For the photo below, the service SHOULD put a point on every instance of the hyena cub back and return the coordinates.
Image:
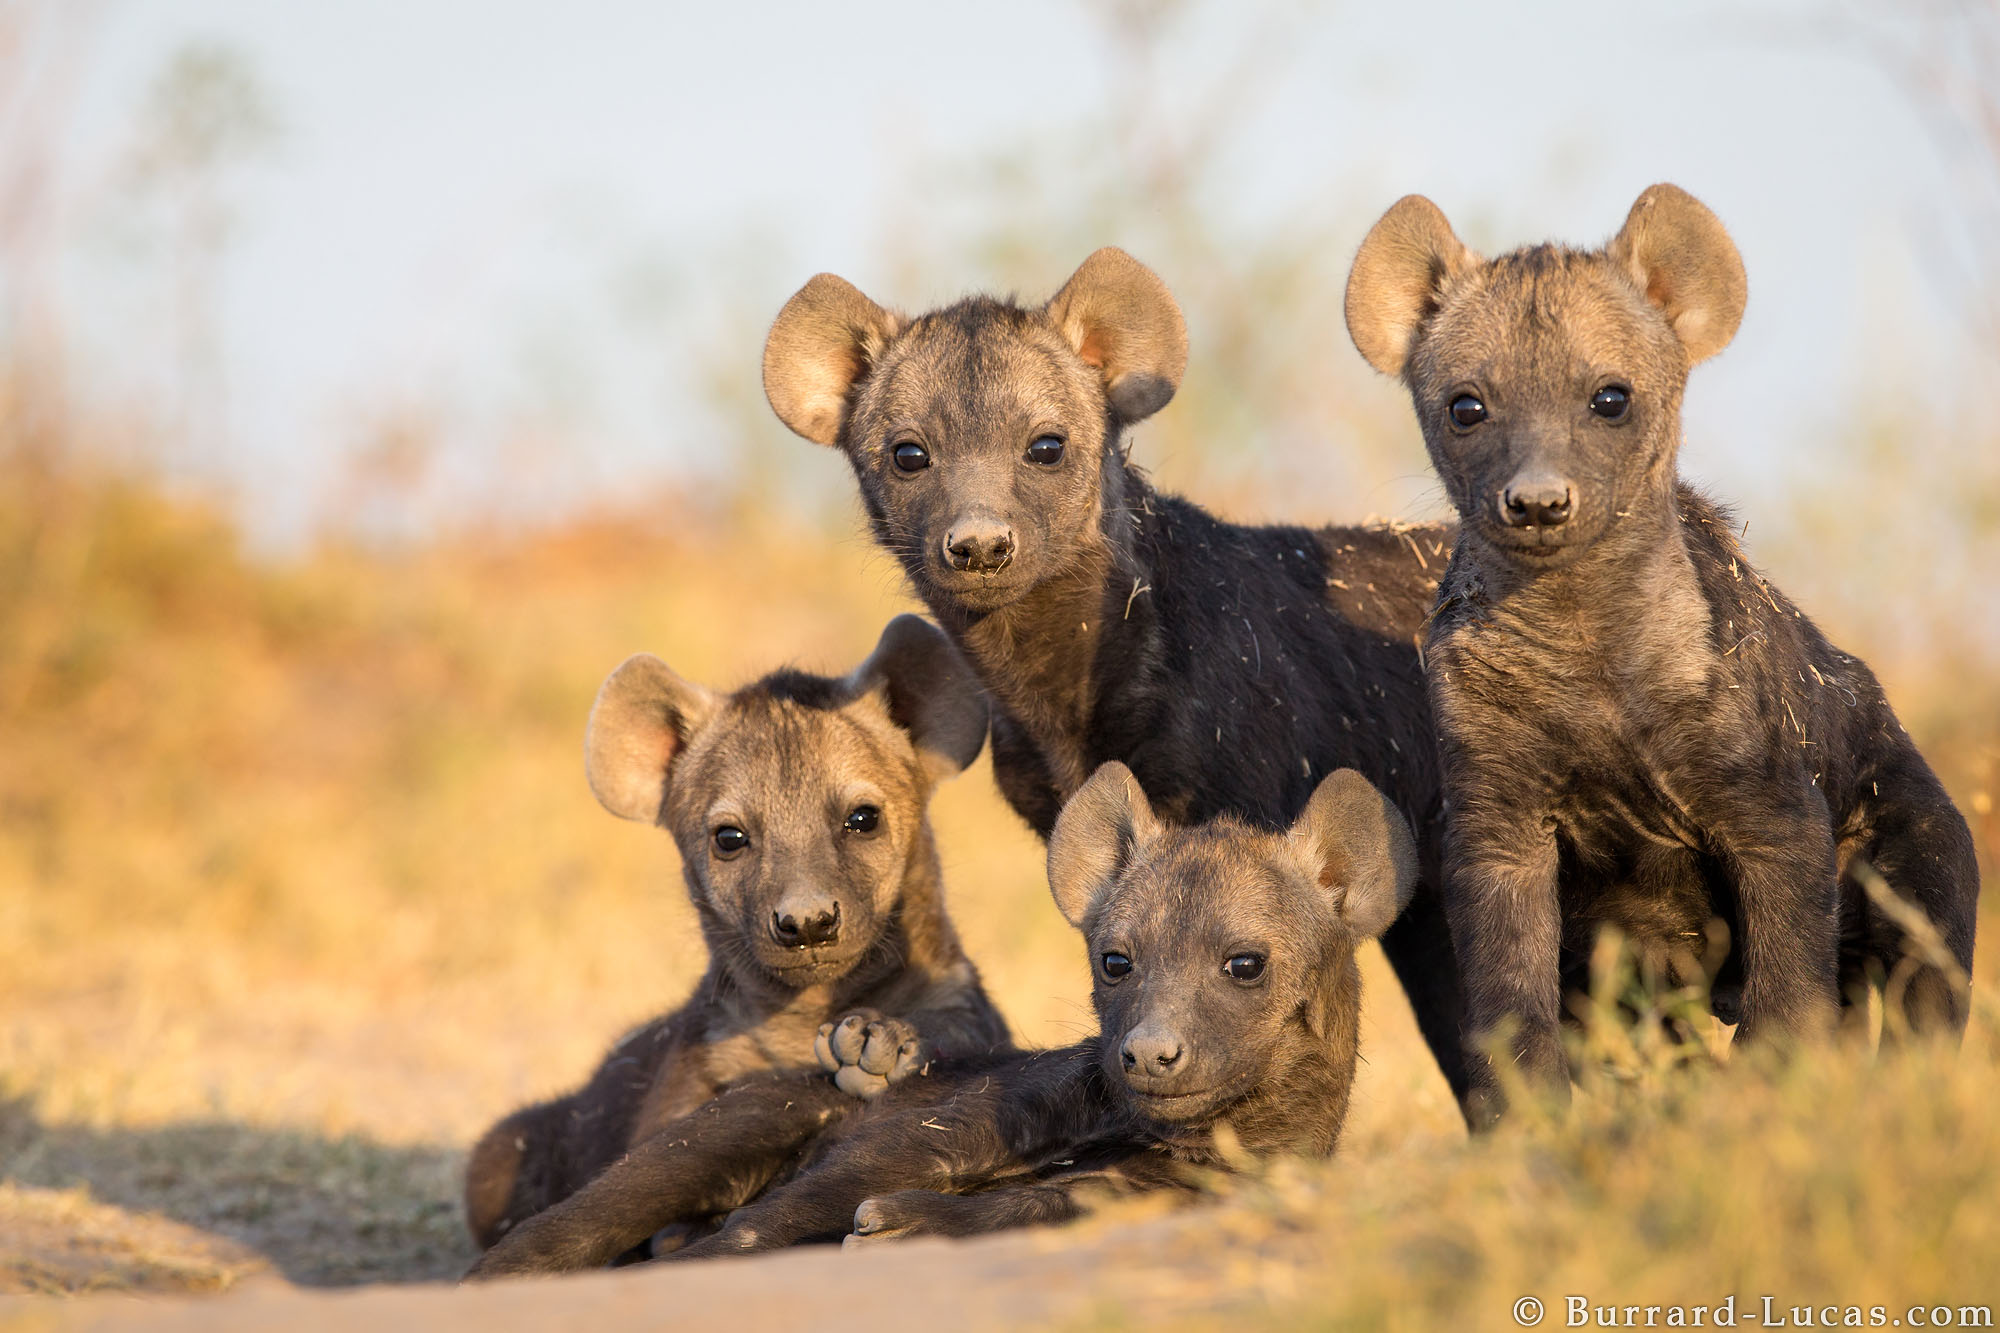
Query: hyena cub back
(799, 808)
(1635, 727)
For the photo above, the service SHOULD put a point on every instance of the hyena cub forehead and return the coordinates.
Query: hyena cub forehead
(792, 743)
(1541, 322)
(974, 376)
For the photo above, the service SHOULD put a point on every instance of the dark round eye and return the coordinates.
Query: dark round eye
(730, 840)
(1047, 451)
(1467, 411)
(862, 819)
(1116, 965)
(1611, 402)
(1244, 967)
(912, 457)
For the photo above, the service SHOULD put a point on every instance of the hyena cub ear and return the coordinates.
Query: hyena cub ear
(825, 339)
(1121, 318)
(1393, 288)
(1100, 832)
(931, 693)
(643, 717)
(1356, 845)
(1678, 253)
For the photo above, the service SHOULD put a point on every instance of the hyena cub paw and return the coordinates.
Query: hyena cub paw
(904, 1213)
(866, 1052)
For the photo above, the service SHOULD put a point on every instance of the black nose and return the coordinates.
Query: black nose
(979, 547)
(804, 932)
(1537, 504)
(1151, 1056)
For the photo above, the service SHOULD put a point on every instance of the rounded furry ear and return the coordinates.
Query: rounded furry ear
(826, 338)
(1402, 265)
(642, 719)
(1678, 253)
(1121, 318)
(1357, 845)
(1099, 833)
(932, 693)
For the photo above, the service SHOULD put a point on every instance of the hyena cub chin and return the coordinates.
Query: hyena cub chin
(799, 807)
(1226, 992)
(1635, 727)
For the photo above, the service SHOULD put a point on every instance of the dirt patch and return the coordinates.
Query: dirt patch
(62, 1242)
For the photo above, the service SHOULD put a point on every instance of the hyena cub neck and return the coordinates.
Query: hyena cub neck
(799, 805)
(1635, 727)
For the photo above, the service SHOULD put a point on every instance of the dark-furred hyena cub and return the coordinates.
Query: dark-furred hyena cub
(1226, 992)
(1230, 665)
(1635, 727)
(799, 807)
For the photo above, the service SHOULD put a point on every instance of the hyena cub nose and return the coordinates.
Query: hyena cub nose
(1151, 1052)
(806, 927)
(979, 546)
(1537, 500)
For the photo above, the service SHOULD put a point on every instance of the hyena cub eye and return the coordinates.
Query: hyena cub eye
(1046, 450)
(1245, 967)
(730, 840)
(912, 457)
(1611, 402)
(1115, 965)
(1467, 411)
(862, 819)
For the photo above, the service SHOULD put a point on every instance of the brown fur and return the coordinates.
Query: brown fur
(1230, 665)
(785, 760)
(1635, 727)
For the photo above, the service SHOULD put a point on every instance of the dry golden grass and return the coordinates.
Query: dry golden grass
(300, 885)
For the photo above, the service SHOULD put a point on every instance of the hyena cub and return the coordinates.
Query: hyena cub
(799, 807)
(1230, 665)
(1635, 727)
(1226, 992)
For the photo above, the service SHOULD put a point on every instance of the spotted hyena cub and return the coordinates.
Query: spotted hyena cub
(1226, 992)
(799, 807)
(1636, 728)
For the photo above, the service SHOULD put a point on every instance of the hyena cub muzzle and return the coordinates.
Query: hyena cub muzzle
(1635, 727)
(799, 805)
(1226, 993)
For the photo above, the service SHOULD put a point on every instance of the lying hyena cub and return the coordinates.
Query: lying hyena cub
(1635, 727)
(798, 805)
(1230, 665)
(1226, 991)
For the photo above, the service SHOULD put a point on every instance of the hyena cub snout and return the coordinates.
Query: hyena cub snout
(1223, 955)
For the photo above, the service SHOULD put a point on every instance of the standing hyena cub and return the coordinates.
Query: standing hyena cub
(1635, 727)
(799, 806)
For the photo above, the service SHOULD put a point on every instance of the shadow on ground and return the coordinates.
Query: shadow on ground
(322, 1211)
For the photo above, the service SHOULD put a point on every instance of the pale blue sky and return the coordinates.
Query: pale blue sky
(459, 185)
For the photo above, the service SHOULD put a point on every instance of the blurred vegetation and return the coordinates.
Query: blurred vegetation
(300, 884)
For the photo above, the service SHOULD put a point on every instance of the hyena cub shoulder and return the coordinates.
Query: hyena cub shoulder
(1226, 993)
(799, 808)
(1635, 727)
